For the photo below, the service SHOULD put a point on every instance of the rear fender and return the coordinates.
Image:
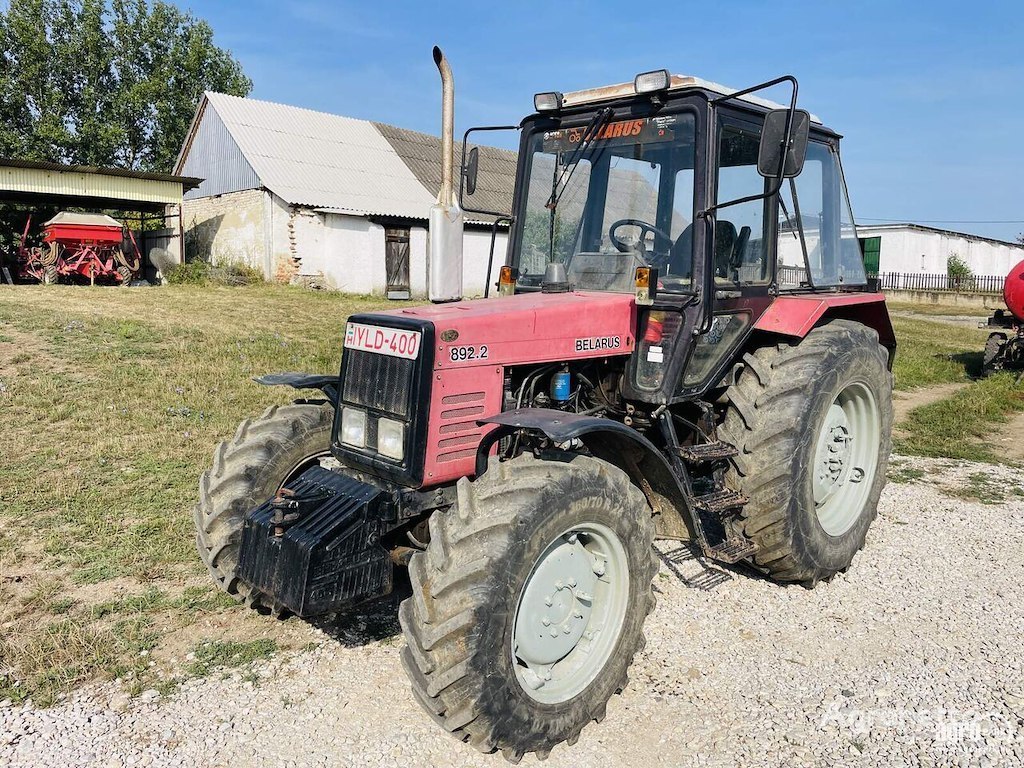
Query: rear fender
(796, 316)
(609, 441)
(326, 384)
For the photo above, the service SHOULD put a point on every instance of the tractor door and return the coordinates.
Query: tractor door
(741, 256)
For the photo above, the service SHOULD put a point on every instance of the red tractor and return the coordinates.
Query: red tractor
(683, 346)
(1004, 350)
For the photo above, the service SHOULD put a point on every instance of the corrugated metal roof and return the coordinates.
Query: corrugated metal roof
(321, 160)
(211, 152)
(422, 153)
(863, 229)
(29, 177)
(44, 165)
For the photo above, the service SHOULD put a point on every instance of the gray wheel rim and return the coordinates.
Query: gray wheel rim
(570, 613)
(846, 459)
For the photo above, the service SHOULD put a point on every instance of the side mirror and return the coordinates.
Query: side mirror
(773, 136)
(472, 169)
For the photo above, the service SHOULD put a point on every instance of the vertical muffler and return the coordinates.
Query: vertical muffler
(444, 257)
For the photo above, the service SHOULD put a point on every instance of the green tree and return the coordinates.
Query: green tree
(959, 272)
(106, 82)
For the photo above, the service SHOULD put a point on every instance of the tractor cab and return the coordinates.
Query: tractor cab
(678, 187)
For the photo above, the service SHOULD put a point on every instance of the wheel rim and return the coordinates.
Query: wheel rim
(846, 459)
(570, 613)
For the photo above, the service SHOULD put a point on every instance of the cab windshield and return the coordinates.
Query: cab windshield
(604, 207)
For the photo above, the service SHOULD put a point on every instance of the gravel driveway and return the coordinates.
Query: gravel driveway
(914, 657)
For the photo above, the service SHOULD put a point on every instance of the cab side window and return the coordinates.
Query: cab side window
(740, 254)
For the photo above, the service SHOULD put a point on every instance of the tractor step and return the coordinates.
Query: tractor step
(713, 451)
(720, 502)
(731, 550)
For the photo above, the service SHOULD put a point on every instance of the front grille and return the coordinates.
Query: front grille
(377, 381)
(391, 387)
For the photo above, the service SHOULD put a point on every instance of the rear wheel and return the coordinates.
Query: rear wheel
(529, 603)
(264, 455)
(813, 424)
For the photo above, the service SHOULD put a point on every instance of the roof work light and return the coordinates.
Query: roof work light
(547, 102)
(652, 82)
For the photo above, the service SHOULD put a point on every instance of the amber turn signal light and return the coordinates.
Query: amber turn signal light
(646, 279)
(507, 281)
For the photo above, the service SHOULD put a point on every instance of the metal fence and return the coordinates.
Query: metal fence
(794, 277)
(911, 281)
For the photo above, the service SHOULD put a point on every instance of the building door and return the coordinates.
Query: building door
(872, 247)
(396, 262)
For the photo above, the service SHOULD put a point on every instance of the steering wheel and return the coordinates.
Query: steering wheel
(624, 247)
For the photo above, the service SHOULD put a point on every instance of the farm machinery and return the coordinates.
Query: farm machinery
(80, 247)
(1004, 349)
(643, 372)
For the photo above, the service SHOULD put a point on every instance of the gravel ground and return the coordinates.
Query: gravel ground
(911, 658)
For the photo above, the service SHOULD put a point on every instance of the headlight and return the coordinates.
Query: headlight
(353, 427)
(391, 438)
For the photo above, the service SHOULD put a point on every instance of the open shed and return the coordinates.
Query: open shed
(148, 197)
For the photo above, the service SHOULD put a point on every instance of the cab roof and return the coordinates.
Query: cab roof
(676, 83)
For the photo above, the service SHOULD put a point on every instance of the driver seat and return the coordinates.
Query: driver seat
(680, 259)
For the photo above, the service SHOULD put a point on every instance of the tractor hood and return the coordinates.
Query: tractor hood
(530, 328)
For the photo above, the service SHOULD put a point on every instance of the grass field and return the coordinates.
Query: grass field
(111, 402)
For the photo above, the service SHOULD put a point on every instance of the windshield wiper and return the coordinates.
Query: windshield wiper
(589, 134)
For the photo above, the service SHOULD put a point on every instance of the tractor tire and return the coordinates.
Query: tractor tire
(509, 550)
(993, 349)
(813, 425)
(263, 456)
(49, 276)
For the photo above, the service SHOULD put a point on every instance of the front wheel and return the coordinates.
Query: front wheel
(263, 456)
(529, 603)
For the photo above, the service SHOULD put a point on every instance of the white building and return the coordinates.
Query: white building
(325, 199)
(919, 249)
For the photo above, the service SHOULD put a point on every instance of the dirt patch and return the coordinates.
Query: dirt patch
(906, 401)
(104, 591)
(228, 625)
(1006, 441)
(19, 347)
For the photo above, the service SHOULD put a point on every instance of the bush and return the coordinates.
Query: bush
(189, 273)
(959, 272)
(203, 273)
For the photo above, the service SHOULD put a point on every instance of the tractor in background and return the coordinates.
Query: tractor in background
(646, 370)
(1004, 349)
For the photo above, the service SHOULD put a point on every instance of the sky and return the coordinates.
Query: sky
(929, 96)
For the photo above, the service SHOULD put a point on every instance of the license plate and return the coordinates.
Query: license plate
(384, 341)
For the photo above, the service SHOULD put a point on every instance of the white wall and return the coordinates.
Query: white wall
(418, 261)
(352, 258)
(476, 246)
(336, 251)
(920, 251)
(225, 228)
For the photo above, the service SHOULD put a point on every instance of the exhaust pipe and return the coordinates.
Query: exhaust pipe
(447, 128)
(446, 219)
